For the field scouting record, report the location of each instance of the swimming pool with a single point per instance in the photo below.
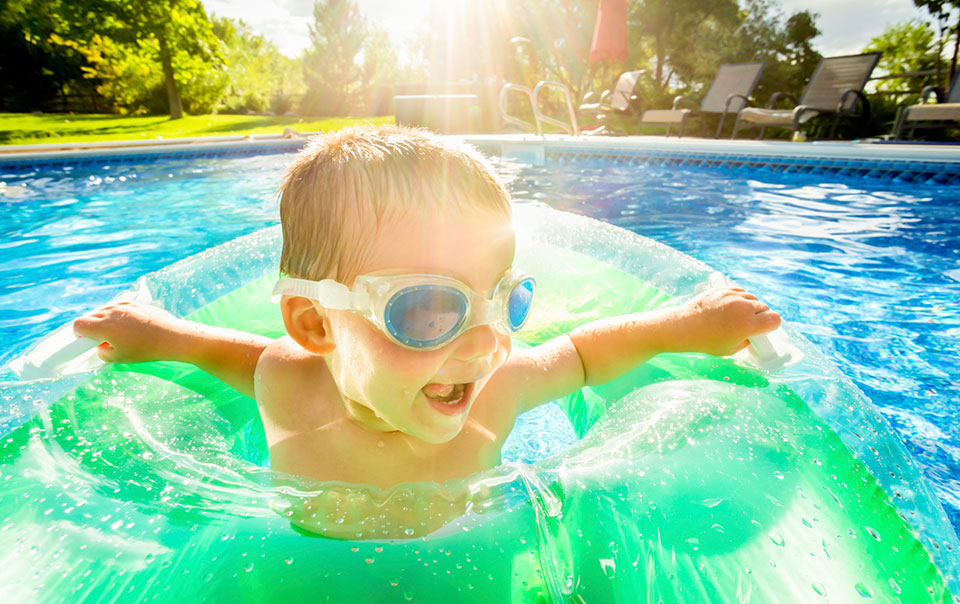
(867, 266)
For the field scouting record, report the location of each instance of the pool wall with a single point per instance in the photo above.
(903, 162)
(912, 162)
(26, 158)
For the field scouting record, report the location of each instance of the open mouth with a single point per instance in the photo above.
(449, 399)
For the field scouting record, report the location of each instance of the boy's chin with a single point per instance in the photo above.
(440, 436)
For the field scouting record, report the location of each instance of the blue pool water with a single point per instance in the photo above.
(869, 270)
(74, 237)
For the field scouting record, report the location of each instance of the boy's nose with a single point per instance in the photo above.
(477, 342)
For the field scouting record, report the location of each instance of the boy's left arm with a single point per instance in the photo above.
(717, 322)
(134, 333)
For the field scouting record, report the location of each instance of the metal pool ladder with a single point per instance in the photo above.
(534, 97)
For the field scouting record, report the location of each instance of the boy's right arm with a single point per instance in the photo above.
(133, 333)
(716, 322)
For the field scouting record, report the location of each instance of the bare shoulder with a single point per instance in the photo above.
(283, 361)
(284, 354)
(287, 380)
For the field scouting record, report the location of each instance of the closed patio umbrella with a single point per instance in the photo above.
(610, 35)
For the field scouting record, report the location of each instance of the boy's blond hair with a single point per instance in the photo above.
(345, 183)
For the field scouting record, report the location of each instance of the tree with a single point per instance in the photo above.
(174, 33)
(684, 42)
(331, 66)
(906, 47)
(559, 33)
(787, 49)
(941, 11)
(681, 44)
(681, 35)
(35, 72)
(258, 75)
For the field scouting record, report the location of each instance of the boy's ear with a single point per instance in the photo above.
(308, 326)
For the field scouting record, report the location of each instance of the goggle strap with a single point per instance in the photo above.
(328, 293)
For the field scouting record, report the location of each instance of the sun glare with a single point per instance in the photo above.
(402, 19)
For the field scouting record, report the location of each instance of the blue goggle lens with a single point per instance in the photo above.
(425, 315)
(520, 303)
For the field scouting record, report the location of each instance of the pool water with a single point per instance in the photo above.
(73, 237)
(867, 269)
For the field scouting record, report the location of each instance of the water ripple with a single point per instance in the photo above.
(867, 269)
(73, 237)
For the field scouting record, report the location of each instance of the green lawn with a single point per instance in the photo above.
(26, 128)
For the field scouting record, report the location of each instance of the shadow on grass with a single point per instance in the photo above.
(77, 128)
(261, 122)
(81, 126)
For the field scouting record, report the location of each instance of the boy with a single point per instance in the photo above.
(399, 299)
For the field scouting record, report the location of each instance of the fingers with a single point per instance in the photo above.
(735, 293)
(768, 321)
(106, 352)
(92, 325)
(85, 327)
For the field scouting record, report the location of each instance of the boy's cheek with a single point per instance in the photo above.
(506, 346)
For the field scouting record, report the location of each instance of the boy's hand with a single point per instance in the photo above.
(716, 322)
(132, 333)
(720, 320)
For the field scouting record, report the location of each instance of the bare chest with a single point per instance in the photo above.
(384, 460)
(311, 436)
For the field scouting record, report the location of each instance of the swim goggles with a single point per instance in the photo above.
(421, 312)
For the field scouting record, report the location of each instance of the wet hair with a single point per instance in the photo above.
(345, 184)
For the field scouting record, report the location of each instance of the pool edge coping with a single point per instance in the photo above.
(908, 161)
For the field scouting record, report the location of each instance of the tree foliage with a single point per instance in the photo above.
(785, 44)
(105, 54)
(942, 12)
(259, 77)
(907, 47)
(688, 41)
(341, 59)
(558, 35)
(682, 38)
(116, 48)
(35, 72)
(176, 34)
(680, 43)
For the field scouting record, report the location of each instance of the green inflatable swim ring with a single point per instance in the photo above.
(694, 479)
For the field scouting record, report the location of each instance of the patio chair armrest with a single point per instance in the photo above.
(798, 112)
(861, 98)
(730, 99)
(927, 91)
(776, 96)
(678, 99)
(589, 98)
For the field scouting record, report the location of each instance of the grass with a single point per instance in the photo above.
(28, 128)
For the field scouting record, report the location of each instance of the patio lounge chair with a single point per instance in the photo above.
(619, 100)
(729, 93)
(933, 115)
(835, 88)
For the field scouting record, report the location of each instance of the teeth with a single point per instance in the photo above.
(438, 390)
(456, 395)
(445, 393)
